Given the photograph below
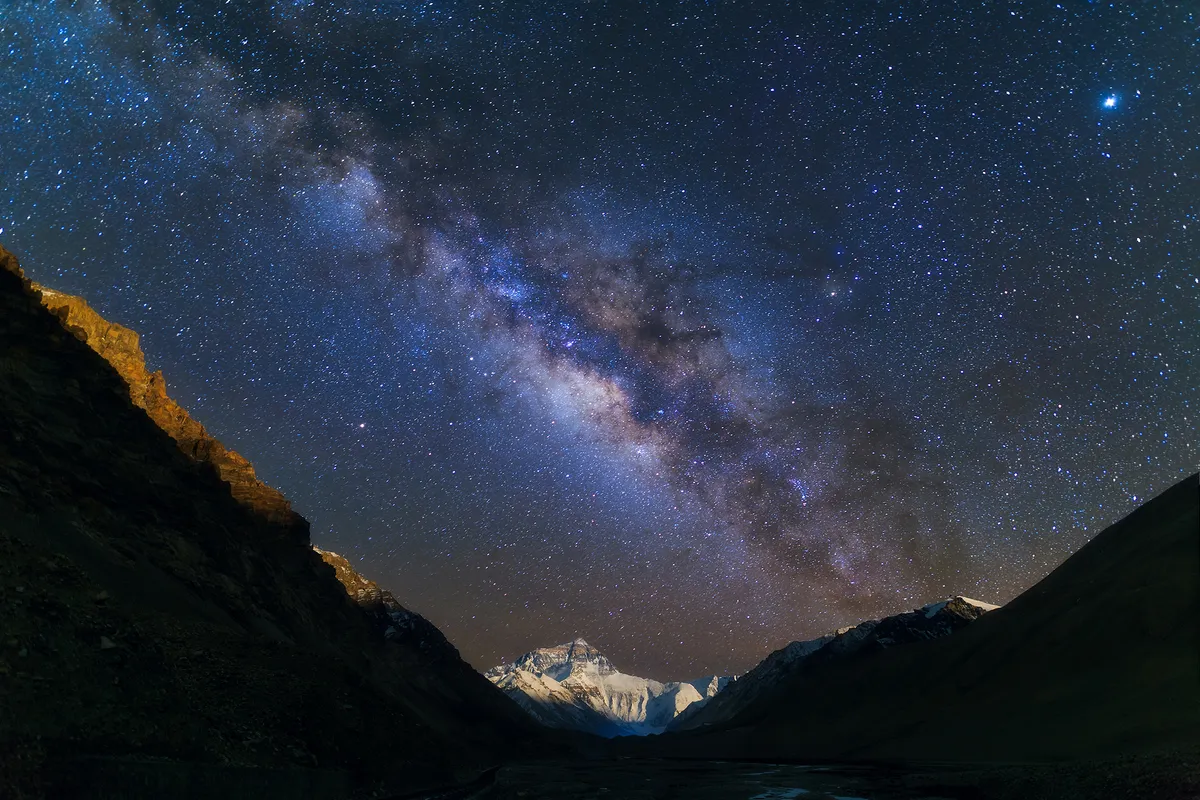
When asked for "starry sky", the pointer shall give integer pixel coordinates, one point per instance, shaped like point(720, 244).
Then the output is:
point(691, 328)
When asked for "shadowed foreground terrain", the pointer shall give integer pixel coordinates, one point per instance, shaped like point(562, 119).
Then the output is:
point(1173, 777)
point(152, 615)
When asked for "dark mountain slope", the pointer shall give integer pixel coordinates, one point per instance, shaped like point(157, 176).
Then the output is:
point(929, 622)
point(1101, 658)
point(119, 346)
point(434, 669)
point(148, 613)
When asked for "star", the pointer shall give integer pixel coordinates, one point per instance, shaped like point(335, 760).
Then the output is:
point(618, 318)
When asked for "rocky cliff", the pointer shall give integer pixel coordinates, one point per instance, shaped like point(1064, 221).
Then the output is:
point(400, 625)
point(119, 346)
point(159, 628)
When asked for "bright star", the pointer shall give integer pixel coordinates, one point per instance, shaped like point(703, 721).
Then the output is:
point(1110, 101)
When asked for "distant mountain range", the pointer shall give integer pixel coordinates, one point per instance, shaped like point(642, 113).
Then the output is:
point(574, 686)
point(167, 620)
point(928, 622)
point(1098, 660)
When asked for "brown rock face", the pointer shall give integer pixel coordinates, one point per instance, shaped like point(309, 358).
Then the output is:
point(365, 591)
point(397, 622)
point(153, 622)
point(119, 347)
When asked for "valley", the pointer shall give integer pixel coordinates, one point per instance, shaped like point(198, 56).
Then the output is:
point(1174, 776)
point(599, 400)
point(170, 628)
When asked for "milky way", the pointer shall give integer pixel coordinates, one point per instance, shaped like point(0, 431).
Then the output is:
point(692, 329)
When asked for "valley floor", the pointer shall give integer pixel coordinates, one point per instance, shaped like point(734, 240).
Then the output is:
point(1163, 777)
point(666, 780)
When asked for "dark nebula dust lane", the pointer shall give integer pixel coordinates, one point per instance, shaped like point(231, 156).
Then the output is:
point(692, 329)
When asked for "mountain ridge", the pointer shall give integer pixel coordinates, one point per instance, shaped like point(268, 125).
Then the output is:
point(186, 626)
point(121, 348)
point(931, 621)
point(575, 686)
point(1098, 660)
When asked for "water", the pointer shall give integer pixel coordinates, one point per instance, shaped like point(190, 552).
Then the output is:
point(650, 779)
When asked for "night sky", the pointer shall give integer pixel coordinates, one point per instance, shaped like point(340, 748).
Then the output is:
point(691, 328)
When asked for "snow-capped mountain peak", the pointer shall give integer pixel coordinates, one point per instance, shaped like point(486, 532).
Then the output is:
point(931, 610)
point(562, 661)
point(574, 685)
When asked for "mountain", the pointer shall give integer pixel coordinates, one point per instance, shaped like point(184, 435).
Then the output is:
point(1099, 660)
point(574, 686)
point(166, 620)
point(928, 622)
point(399, 625)
point(120, 347)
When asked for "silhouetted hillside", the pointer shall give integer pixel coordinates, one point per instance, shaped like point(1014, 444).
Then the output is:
point(765, 680)
point(1099, 659)
point(148, 614)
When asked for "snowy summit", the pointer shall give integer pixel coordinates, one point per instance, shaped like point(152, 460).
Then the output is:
point(575, 686)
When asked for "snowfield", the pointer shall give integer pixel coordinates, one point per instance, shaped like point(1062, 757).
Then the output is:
point(575, 686)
